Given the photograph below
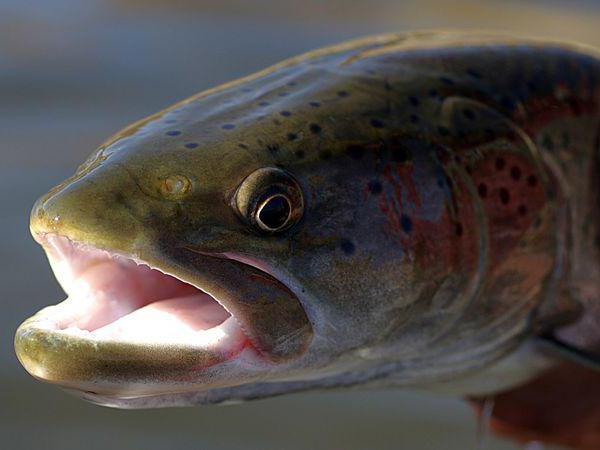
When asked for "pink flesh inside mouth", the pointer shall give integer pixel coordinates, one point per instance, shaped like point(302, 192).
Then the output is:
point(114, 298)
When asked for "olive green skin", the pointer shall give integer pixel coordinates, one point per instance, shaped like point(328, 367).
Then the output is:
point(443, 286)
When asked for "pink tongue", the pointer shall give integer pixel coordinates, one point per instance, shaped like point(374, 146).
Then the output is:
point(172, 318)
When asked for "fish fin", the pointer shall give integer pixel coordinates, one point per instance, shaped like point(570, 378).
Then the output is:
point(570, 352)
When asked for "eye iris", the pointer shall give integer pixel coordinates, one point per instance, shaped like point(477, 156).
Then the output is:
point(275, 212)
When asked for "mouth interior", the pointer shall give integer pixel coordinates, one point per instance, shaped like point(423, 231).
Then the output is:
point(113, 297)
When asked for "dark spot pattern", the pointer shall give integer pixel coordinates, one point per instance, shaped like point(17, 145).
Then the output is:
point(414, 101)
point(343, 94)
point(292, 136)
point(244, 146)
point(191, 145)
point(458, 229)
point(522, 210)
point(285, 113)
point(531, 180)
point(314, 128)
point(500, 163)
point(228, 126)
point(173, 133)
point(314, 104)
point(263, 104)
point(347, 246)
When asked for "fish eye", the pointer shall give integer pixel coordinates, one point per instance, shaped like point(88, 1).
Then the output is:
point(270, 200)
point(274, 213)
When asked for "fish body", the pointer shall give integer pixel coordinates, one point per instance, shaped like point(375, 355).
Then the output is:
point(402, 210)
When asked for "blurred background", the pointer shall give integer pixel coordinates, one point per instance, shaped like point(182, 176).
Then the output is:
point(72, 72)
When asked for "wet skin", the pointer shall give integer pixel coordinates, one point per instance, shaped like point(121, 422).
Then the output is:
point(401, 210)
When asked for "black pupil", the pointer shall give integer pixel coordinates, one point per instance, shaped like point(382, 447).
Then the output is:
point(275, 212)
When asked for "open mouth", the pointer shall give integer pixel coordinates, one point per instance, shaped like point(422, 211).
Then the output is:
point(127, 328)
point(113, 297)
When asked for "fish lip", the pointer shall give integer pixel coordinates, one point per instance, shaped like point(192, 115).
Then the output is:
point(54, 356)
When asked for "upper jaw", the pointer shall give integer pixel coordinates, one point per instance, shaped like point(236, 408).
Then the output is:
point(67, 345)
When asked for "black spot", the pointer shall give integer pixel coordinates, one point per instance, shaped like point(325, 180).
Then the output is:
point(244, 146)
point(263, 104)
point(532, 180)
point(458, 229)
point(314, 104)
point(376, 123)
point(173, 133)
point(274, 148)
point(325, 155)
point(475, 74)
point(283, 94)
point(515, 173)
point(299, 154)
point(343, 94)
point(355, 151)
point(443, 131)
point(292, 136)
point(482, 190)
point(314, 128)
point(228, 126)
point(406, 223)
point(504, 196)
point(500, 163)
point(469, 114)
point(447, 80)
point(191, 145)
point(347, 246)
point(414, 118)
point(375, 187)
point(522, 210)
point(414, 101)
point(285, 113)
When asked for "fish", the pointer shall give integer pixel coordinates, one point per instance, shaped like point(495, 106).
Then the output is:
point(404, 210)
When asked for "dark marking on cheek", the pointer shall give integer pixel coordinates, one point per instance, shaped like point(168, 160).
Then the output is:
point(347, 246)
point(228, 126)
point(515, 173)
point(314, 128)
point(375, 187)
point(292, 136)
point(285, 113)
point(504, 196)
point(191, 145)
point(532, 180)
point(406, 223)
point(173, 133)
point(376, 123)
